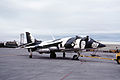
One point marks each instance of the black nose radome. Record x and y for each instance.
(101, 45)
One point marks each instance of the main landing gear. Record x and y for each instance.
(52, 54)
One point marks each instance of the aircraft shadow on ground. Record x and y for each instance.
(85, 60)
(47, 57)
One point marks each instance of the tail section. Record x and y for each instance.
(30, 38)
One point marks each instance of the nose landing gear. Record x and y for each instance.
(75, 57)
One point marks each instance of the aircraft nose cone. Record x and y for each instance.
(101, 45)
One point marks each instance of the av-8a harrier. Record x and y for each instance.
(69, 44)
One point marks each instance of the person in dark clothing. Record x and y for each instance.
(117, 51)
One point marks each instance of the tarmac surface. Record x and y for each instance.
(16, 65)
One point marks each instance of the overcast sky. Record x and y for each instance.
(58, 17)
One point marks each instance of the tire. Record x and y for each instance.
(30, 56)
(118, 60)
(52, 55)
(75, 57)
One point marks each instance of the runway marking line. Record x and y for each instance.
(66, 76)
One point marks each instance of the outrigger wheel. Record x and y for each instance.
(30, 56)
(118, 60)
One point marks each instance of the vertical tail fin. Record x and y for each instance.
(30, 38)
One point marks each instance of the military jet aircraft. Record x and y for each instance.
(68, 44)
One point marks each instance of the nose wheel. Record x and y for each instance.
(75, 57)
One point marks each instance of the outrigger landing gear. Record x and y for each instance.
(75, 57)
(52, 54)
(30, 54)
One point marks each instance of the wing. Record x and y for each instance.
(45, 44)
(50, 44)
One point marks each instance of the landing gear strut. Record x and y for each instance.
(63, 54)
(30, 54)
(52, 54)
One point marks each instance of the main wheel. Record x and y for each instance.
(118, 60)
(75, 57)
(52, 55)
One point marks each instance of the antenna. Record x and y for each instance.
(52, 36)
